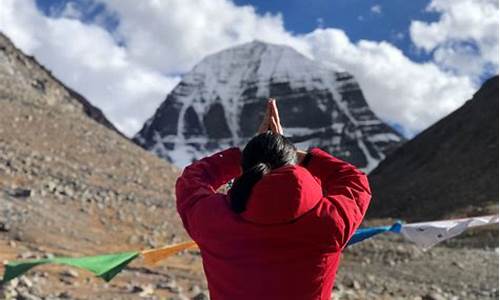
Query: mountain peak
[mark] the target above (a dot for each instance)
(261, 59)
(221, 101)
(256, 43)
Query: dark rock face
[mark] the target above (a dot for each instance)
(221, 101)
(215, 122)
(449, 169)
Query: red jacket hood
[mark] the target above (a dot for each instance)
(283, 195)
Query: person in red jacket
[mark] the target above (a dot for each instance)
(279, 231)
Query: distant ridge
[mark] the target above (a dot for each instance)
(449, 169)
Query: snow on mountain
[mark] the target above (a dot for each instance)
(221, 102)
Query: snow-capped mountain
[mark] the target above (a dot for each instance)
(221, 102)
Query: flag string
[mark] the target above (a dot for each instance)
(424, 234)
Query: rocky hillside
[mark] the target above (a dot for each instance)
(71, 186)
(449, 169)
(23, 79)
(221, 101)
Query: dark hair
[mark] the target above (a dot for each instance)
(263, 153)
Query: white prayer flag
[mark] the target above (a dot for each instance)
(428, 234)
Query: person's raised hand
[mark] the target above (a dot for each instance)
(264, 125)
(271, 120)
(275, 123)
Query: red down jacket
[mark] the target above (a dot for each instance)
(287, 244)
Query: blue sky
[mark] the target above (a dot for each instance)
(415, 60)
(380, 20)
(90, 11)
(361, 19)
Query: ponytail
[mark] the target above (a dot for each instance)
(242, 186)
(262, 153)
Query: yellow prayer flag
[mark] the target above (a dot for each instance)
(153, 256)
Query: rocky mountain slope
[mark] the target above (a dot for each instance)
(449, 169)
(70, 186)
(23, 79)
(220, 102)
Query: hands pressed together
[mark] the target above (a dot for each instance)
(271, 119)
(272, 122)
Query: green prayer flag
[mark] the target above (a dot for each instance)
(104, 266)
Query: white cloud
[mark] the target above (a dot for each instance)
(398, 89)
(464, 39)
(72, 11)
(398, 35)
(376, 9)
(128, 79)
(174, 35)
(320, 22)
(87, 58)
